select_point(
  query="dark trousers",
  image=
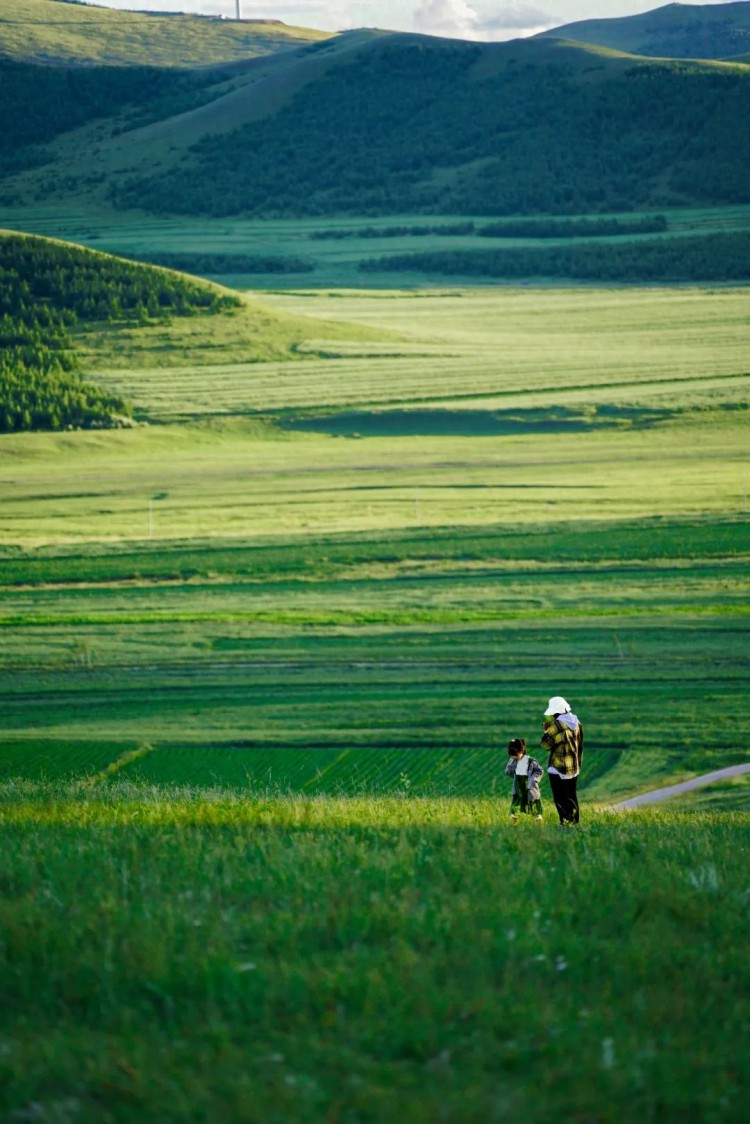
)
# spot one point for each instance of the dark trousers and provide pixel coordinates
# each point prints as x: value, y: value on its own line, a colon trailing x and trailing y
x: 565, y: 795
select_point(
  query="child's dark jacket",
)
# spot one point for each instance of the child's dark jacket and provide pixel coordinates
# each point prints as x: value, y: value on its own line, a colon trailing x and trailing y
x: 536, y: 772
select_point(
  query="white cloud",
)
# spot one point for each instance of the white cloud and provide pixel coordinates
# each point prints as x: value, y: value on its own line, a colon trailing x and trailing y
x: 477, y: 20
x: 445, y: 17
x: 519, y: 16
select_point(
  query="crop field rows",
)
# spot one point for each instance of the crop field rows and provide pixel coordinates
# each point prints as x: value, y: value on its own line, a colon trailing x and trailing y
x: 371, y: 667
x: 306, y: 387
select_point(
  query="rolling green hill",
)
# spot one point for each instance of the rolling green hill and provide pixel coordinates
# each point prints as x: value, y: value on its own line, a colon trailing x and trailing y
x: 66, y: 311
x: 703, y: 31
x: 409, y: 124
x: 412, y: 125
x: 53, y: 32
x: 49, y: 291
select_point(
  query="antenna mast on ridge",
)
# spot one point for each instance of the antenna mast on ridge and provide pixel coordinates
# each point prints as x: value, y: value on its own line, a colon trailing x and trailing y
x: 239, y: 9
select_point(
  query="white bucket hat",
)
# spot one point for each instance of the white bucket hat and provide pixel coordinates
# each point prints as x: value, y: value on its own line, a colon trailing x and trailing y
x: 557, y: 705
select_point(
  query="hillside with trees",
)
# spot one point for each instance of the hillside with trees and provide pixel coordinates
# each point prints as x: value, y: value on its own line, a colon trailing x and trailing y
x: 408, y: 124
x: 64, y: 65
x: 367, y: 124
x: 416, y: 125
x: 48, y: 292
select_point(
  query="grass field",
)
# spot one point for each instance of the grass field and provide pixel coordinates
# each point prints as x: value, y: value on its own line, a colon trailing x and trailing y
x: 553, y: 356
x: 204, y: 956
x: 261, y: 657
x: 339, y: 573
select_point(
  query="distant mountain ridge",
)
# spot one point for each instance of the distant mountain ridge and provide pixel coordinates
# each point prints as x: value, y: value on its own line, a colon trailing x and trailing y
x: 698, y: 31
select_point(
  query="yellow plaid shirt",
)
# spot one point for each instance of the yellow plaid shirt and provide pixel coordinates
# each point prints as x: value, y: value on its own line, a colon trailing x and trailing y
x: 565, y: 747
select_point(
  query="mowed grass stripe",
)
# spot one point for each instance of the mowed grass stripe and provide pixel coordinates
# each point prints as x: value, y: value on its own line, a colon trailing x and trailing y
x: 206, y: 391
x: 593, y: 344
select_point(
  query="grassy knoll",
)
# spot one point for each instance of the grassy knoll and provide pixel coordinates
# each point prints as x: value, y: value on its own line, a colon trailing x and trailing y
x: 64, y: 306
x: 203, y: 955
x: 52, y: 32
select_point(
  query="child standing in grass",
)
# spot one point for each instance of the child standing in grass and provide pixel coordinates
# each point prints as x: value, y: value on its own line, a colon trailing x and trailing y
x: 526, y: 773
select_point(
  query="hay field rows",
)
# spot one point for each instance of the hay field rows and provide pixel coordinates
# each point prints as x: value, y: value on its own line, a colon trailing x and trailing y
x: 467, y: 349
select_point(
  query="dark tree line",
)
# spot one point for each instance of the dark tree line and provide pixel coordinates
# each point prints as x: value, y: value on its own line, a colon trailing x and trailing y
x: 47, y: 289
x: 203, y: 264
x: 709, y: 257
x: 604, y: 227
x: 411, y: 231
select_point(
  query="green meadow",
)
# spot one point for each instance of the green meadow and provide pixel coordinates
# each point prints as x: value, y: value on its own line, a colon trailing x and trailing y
x: 367, y: 565
x: 198, y: 955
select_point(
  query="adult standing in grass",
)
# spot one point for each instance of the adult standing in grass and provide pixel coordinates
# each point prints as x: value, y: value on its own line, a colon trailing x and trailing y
x: 563, y: 740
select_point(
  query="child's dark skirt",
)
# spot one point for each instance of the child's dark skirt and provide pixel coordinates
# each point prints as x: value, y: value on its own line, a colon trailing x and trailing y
x: 521, y: 802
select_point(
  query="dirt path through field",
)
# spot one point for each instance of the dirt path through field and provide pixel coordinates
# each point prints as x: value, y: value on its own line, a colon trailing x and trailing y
x: 659, y: 794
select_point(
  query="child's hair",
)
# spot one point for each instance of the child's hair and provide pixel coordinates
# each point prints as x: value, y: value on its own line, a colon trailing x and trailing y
x: 516, y: 747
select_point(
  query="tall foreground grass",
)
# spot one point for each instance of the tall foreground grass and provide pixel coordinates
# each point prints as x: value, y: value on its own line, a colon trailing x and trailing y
x: 204, y: 956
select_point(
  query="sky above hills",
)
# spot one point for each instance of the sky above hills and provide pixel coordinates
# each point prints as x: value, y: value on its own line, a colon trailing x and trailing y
x: 467, y: 19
